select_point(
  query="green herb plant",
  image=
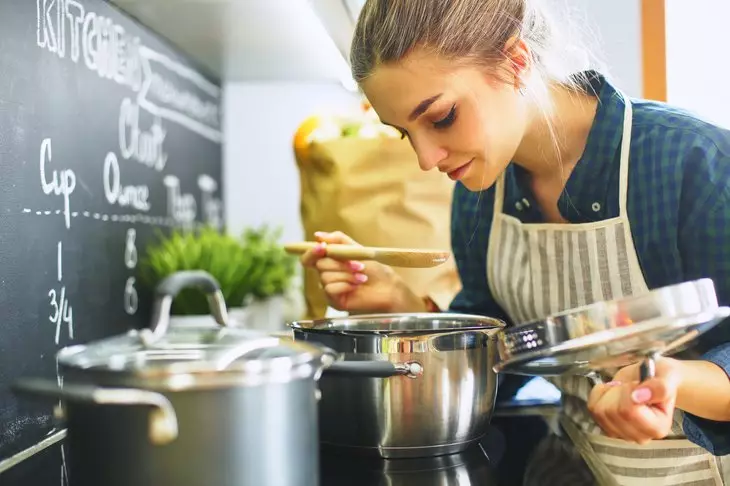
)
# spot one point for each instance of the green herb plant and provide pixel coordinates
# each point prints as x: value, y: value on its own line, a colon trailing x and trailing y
x: 251, y: 267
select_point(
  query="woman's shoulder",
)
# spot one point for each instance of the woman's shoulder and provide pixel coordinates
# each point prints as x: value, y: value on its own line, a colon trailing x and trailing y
x: 675, y: 131
x: 681, y: 150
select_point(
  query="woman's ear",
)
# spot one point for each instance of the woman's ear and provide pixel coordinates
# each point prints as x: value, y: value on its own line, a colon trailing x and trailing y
x: 518, y: 57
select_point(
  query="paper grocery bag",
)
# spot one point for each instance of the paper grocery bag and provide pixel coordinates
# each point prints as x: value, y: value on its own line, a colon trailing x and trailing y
x: 374, y: 191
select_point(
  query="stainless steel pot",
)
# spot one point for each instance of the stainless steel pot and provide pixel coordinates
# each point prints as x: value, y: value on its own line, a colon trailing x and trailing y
x: 410, y: 385
x: 196, y: 405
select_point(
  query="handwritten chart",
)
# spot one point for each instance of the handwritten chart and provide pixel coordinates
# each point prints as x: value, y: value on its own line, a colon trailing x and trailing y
x: 107, y: 136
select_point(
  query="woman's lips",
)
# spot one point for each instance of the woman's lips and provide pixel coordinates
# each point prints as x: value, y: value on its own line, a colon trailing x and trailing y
x: 457, y: 174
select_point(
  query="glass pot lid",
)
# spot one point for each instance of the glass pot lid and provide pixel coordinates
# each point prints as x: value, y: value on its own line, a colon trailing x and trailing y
x: 185, y: 355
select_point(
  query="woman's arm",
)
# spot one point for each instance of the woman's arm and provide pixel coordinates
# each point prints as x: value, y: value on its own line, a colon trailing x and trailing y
x: 704, y: 386
x: 704, y: 244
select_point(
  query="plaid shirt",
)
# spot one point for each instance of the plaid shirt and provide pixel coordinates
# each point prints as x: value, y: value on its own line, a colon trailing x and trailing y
x: 678, y: 207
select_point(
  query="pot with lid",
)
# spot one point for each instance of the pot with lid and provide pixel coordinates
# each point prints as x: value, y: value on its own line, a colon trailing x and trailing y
x: 189, y: 405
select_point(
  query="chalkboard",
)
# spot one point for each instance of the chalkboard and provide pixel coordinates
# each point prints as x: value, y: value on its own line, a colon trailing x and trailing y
x: 107, y: 135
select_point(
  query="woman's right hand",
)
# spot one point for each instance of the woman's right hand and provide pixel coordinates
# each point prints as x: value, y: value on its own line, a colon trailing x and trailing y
x: 354, y: 286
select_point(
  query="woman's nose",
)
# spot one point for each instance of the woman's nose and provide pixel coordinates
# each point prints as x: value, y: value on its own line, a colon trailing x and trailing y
x: 429, y: 154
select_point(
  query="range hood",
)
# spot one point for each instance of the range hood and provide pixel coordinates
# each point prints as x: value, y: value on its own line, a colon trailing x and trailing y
x: 338, y: 18
x: 257, y: 40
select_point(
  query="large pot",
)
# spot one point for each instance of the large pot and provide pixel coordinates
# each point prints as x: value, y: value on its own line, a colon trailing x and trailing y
x: 441, y: 402
x: 190, y: 405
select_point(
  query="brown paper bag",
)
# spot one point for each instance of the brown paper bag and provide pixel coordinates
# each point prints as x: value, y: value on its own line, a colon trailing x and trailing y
x: 374, y: 191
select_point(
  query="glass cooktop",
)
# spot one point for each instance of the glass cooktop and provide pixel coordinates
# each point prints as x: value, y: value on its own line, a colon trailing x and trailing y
x: 475, y: 466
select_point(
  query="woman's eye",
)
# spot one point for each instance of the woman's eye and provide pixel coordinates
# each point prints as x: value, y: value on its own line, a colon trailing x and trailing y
x: 448, y: 120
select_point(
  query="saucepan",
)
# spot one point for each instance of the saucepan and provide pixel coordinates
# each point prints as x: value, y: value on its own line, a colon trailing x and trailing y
x: 409, y: 385
x: 189, y: 405
x: 444, y: 397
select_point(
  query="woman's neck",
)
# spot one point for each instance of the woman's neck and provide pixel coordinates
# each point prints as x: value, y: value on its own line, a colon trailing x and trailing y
x: 551, y: 156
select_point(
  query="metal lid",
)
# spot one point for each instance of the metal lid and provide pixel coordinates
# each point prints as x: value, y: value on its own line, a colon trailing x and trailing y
x: 612, y: 334
x: 399, y: 324
x: 186, y: 356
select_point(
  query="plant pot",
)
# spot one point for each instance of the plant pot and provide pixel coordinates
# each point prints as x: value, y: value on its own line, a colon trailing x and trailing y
x: 266, y: 315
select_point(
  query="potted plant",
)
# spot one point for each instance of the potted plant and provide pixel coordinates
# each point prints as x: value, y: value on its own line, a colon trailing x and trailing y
x: 253, y: 270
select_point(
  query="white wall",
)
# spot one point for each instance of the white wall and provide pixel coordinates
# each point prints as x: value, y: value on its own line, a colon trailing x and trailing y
x: 697, y: 68
x: 260, y: 174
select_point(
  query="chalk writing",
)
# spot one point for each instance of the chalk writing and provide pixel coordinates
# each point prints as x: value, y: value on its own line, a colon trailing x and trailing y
x: 105, y: 46
x: 131, y: 299
x: 144, y: 146
x: 130, y: 249
x: 62, y: 183
x: 180, y: 207
x: 134, y: 196
x: 168, y: 91
x: 212, y: 206
x: 62, y: 310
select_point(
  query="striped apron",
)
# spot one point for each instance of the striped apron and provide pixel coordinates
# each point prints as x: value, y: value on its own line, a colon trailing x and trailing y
x: 535, y: 270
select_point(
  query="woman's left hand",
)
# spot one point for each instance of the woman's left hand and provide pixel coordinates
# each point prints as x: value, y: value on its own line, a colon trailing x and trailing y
x: 634, y: 411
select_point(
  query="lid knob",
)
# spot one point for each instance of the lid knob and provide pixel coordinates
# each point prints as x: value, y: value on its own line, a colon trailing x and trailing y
x: 166, y: 292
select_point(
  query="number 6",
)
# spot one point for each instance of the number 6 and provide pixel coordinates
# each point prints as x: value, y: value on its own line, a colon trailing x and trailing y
x: 130, y: 297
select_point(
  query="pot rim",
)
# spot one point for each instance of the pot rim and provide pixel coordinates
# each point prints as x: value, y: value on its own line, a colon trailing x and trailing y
x: 347, y: 326
x: 191, y: 368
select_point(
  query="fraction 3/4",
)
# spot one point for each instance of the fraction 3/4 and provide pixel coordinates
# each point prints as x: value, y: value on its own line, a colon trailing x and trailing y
x: 61, y: 310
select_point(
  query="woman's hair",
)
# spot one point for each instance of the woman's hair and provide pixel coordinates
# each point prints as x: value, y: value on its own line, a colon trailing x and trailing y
x: 467, y: 31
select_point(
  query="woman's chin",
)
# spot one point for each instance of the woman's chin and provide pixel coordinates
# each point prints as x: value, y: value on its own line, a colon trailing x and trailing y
x: 478, y: 182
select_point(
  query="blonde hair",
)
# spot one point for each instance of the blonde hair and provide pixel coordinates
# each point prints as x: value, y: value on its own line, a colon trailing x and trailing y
x: 468, y: 31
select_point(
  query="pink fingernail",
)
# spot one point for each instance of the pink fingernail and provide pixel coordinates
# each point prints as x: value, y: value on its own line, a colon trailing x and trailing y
x: 357, y: 266
x: 641, y: 395
x: 361, y: 277
x: 319, y: 234
x: 320, y: 249
x: 613, y: 383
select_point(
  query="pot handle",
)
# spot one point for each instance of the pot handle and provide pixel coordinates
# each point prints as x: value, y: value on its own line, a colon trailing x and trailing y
x: 374, y: 369
x: 163, y: 427
x: 166, y: 292
x: 647, y: 369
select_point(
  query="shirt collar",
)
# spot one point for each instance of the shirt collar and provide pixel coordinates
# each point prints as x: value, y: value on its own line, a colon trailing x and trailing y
x: 586, y: 193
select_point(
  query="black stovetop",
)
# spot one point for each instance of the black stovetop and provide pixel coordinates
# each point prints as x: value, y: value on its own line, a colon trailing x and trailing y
x: 475, y: 466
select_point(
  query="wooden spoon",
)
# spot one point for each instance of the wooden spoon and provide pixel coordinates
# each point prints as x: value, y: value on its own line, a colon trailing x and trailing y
x: 395, y: 257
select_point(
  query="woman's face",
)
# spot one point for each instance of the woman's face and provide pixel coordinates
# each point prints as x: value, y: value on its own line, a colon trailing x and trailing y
x: 461, y: 120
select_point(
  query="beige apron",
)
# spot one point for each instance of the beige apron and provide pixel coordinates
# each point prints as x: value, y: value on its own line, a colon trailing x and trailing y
x: 538, y: 269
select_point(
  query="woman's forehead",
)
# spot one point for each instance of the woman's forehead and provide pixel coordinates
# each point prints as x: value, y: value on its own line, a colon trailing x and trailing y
x: 396, y: 90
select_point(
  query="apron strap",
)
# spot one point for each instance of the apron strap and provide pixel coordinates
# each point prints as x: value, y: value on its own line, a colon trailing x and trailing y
x: 499, y: 194
x: 623, y: 183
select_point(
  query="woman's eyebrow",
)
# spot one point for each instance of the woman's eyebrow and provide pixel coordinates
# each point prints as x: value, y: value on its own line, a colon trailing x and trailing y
x: 422, y: 107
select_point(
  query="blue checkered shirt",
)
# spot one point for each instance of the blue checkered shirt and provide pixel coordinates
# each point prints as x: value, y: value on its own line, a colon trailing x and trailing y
x: 678, y: 207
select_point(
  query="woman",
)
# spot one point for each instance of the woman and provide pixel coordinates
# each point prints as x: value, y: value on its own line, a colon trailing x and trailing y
x: 568, y: 193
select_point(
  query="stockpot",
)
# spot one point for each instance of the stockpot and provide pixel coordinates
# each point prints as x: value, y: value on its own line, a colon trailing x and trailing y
x: 193, y: 405
x: 409, y: 385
